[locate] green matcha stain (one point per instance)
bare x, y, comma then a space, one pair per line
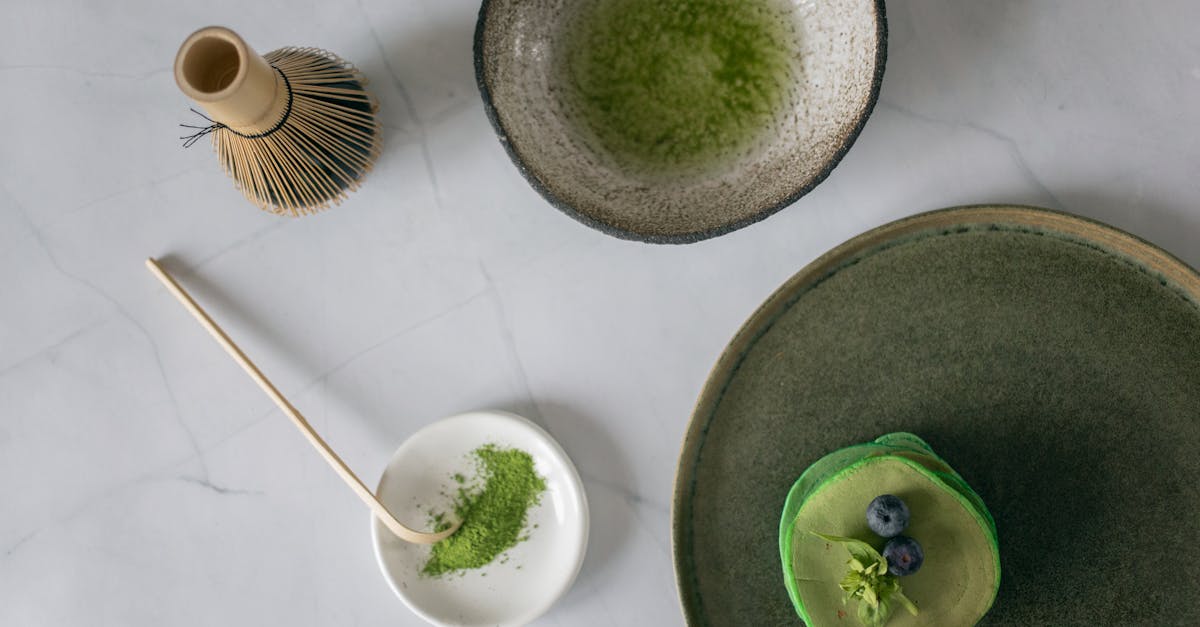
493, 508
678, 83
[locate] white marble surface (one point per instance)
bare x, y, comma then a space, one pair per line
145, 481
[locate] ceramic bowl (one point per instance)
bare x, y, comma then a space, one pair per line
527, 580
835, 53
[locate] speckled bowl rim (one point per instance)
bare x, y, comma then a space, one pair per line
881, 36
1145, 256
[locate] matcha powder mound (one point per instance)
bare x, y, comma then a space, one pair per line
494, 516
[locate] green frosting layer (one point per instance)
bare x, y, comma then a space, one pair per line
961, 574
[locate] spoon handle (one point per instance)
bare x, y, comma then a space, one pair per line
314, 438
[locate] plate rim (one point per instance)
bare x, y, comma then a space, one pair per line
576, 485
1144, 254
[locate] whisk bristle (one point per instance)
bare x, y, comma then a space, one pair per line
319, 146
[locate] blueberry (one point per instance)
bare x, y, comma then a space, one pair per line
887, 515
904, 556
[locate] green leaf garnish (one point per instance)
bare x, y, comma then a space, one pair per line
908, 605
874, 615
868, 581
861, 551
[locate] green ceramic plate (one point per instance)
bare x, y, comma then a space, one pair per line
1054, 362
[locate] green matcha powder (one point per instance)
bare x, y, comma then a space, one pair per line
493, 514
665, 84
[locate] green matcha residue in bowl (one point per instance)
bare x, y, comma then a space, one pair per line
493, 507
678, 83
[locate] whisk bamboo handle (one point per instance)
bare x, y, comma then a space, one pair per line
343, 471
216, 68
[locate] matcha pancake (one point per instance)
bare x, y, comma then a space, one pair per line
961, 569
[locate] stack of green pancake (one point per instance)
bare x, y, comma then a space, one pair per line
961, 573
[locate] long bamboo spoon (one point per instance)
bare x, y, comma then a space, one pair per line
343, 471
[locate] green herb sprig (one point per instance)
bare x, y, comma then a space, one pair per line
869, 583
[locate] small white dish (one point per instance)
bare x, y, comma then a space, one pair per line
537, 572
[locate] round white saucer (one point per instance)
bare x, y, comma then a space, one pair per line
512, 591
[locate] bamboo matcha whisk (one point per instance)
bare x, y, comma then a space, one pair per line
294, 128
